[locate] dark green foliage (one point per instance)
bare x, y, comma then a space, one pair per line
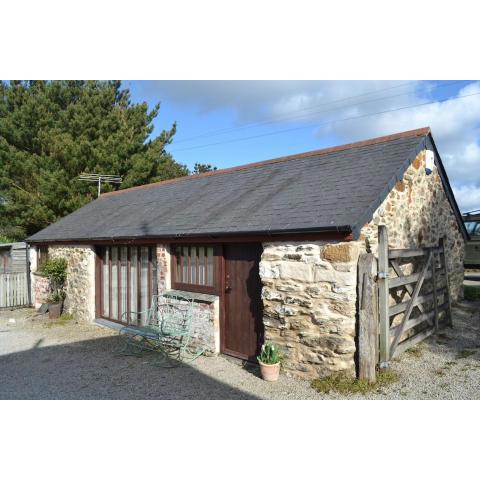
50, 132
55, 269
202, 168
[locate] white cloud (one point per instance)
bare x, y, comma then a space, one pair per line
468, 197
455, 127
256, 100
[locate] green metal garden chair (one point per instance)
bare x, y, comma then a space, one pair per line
168, 329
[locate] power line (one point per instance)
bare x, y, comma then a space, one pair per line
263, 122
276, 132
314, 110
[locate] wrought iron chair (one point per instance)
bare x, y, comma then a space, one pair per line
168, 329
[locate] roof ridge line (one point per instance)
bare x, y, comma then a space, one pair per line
323, 151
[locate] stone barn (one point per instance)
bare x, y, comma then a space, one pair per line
269, 250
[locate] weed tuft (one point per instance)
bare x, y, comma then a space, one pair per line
416, 351
342, 384
63, 320
465, 353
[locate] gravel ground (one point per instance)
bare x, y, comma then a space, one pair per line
40, 359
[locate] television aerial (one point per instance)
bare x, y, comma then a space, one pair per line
100, 178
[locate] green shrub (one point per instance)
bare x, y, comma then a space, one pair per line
55, 269
56, 296
270, 354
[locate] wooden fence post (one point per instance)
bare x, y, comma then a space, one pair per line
383, 296
443, 254
367, 317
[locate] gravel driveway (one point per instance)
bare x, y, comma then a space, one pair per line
44, 360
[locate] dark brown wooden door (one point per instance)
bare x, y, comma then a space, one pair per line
243, 326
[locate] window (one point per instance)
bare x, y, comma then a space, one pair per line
42, 257
194, 268
126, 281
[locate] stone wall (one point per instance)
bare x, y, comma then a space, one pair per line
206, 320
163, 268
309, 305
40, 289
417, 213
80, 284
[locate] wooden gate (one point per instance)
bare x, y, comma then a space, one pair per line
413, 295
14, 290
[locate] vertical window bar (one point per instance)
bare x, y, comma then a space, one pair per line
127, 292
149, 291
179, 258
144, 281
185, 265
201, 265
115, 288
109, 282
139, 320
206, 268
193, 265
119, 286
133, 282
123, 281
210, 266
105, 282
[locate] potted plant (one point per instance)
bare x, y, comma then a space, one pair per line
55, 304
269, 360
55, 270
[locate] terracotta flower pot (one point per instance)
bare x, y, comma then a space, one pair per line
269, 373
54, 310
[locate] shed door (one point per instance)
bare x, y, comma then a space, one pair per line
243, 326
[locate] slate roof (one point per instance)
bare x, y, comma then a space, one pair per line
334, 189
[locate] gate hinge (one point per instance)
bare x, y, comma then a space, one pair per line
383, 275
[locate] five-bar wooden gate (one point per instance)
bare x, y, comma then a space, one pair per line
413, 295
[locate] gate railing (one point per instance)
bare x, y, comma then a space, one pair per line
414, 297
14, 290
405, 302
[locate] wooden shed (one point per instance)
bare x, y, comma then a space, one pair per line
13, 257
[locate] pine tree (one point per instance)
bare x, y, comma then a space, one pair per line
51, 132
202, 168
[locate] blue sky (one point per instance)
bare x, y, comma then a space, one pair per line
227, 123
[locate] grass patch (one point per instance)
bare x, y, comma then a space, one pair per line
340, 383
465, 353
471, 292
416, 351
63, 320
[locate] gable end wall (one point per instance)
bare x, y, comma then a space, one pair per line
417, 213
